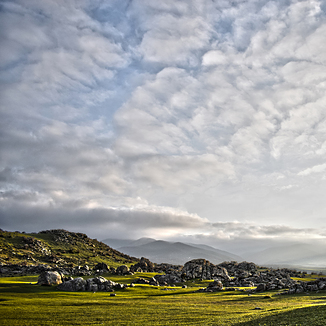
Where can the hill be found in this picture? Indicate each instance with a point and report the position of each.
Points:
(58, 248)
(159, 251)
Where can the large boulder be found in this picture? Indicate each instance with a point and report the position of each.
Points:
(201, 268)
(49, 278)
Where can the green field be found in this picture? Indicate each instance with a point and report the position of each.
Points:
(22, 302)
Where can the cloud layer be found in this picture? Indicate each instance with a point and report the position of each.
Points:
(178, 117)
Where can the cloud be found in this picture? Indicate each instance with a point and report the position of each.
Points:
(247, 230)
(214, 109)
(315, 169)
(124, 222)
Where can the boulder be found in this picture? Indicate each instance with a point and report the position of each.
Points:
(101, 267)
(261, 287)
(122, 270)
(214, 286)
(203, 269)
(167, 279)
(75, 285)
(49, 278)
(144, 265)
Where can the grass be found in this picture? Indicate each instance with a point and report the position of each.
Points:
(77, 250)
(23, 303)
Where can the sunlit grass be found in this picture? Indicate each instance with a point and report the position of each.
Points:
(22, 303)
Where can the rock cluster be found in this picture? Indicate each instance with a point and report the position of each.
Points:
(152, 281)
(93, 284)
(299, 287)
(234, 268)
(268, 280)
(14, 269)
(36, 245)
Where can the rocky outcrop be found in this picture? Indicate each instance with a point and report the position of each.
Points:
(203, 269)
(49, 278)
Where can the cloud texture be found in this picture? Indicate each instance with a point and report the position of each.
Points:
(171, 117)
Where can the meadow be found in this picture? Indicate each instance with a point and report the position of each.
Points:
(22, 302)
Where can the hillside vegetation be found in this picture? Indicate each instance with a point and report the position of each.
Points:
(58, 248)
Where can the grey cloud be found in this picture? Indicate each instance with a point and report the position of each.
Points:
(246, 230)
(101, 222)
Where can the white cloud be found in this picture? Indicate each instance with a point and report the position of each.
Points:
(212, 58)
(315, 169)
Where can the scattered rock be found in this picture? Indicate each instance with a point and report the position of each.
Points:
(101, 267)
(49, 278)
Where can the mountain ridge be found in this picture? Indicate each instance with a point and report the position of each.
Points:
(160, 251)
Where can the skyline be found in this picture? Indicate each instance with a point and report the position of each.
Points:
(198, 121)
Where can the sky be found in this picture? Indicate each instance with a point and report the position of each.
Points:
(199, 121)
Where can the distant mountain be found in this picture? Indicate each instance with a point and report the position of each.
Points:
(159, 251)
(118, 243)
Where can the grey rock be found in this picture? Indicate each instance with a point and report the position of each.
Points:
(214, 286)
(203, 269)
(261, 287)
(122, 270)
(49, 278)
(75, 285)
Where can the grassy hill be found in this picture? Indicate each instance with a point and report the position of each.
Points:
(58, 248)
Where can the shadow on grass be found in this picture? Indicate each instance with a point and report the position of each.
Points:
(312, 316)
(25, 288)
